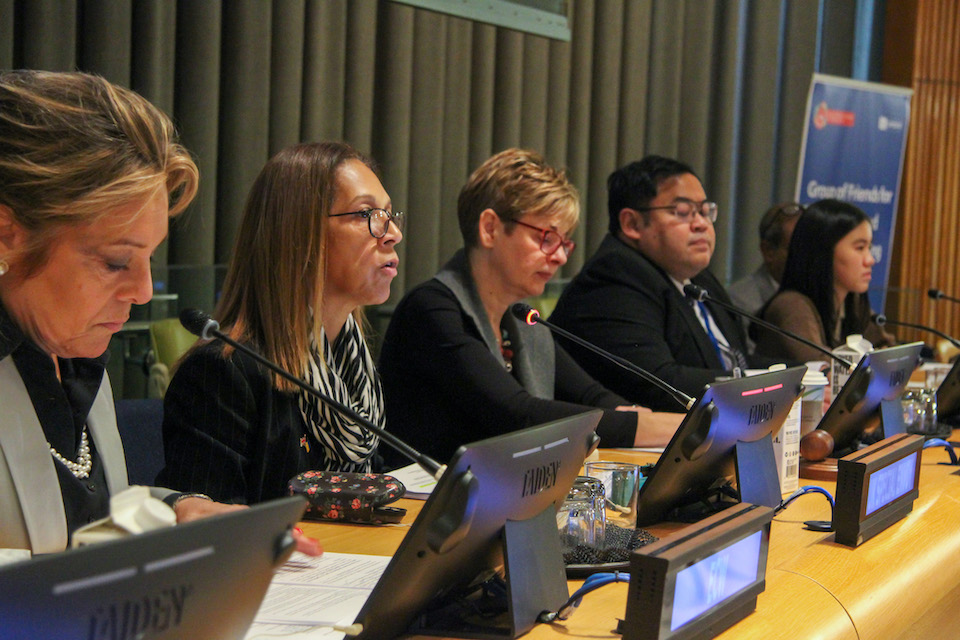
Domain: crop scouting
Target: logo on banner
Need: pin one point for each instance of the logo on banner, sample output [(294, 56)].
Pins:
[(886, 124), (836, 117)]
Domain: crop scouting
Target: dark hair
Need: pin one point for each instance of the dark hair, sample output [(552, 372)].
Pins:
[(809, 268), (771, 225), (635, 185)]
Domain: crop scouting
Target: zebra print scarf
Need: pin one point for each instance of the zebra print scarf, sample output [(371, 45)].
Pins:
[(346, 373)]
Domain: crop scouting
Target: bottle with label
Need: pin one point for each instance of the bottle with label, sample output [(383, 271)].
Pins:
[(814, 396), (786, 446), (855, 347)]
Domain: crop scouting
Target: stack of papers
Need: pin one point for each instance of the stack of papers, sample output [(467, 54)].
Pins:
[(308, 594)]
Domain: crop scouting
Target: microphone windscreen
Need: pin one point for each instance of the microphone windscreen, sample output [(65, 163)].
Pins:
[(197, 322), (525, 312), (879, 319), (935, 294), (695, 292)]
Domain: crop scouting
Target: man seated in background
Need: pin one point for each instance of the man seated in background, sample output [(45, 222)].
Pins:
[(628, 298), (751, 292)]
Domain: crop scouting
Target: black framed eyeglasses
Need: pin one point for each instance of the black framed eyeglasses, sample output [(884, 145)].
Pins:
[(550, 240), (378, 220), (684, 210)]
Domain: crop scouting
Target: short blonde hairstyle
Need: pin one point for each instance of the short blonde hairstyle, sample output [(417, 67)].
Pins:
[(74, 147), (279, 264), (513, 183)]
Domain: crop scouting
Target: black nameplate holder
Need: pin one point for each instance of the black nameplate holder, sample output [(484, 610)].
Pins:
[(876, 487), (700, 580)]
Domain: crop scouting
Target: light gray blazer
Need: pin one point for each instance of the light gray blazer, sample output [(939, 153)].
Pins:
[(31, 506)]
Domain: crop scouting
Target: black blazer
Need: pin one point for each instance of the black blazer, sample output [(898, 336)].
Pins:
[(229, 434), (443, 387), (624, 303)]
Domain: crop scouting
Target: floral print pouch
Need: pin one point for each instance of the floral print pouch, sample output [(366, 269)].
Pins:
[(349, 497)]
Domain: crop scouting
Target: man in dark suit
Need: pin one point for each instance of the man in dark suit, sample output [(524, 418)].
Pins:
[(628, 298)]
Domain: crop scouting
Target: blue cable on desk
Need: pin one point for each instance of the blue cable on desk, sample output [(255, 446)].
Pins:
[(816, 525), (939, 442), (592, 583), (803, 491)]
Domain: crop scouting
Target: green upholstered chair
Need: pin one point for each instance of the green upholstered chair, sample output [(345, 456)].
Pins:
[(169, 341)]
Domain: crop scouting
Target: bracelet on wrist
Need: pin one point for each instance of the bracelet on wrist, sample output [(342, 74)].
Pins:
[(184, 496)]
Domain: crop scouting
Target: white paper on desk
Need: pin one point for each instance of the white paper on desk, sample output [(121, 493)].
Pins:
[(418, 482), (342, 570), (309, 604), (259, 631), (330, 589)]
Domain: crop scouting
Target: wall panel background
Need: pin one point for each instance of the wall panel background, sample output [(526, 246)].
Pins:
[(719, 84)]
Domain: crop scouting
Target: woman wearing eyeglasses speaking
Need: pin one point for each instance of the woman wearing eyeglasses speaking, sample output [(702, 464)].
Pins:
[(317, 242), (456, 366)]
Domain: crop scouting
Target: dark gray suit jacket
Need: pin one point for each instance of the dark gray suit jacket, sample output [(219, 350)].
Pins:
[(624, 303)]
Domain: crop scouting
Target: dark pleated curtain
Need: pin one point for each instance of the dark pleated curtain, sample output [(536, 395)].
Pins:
[(719, 84)]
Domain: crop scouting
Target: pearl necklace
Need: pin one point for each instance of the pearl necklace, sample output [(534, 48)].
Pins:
[(80, 468)]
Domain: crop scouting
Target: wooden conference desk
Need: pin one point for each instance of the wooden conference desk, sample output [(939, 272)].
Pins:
[(903, 583)]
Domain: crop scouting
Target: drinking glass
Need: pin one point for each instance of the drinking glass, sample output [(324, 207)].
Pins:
[(621, 482)]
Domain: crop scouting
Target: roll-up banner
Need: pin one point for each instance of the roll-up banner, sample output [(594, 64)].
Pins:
[(854, 140)]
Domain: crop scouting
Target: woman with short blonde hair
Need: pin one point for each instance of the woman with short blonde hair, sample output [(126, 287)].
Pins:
[(457, 366)]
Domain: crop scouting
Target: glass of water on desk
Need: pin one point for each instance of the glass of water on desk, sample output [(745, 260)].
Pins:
[(621, 483), (920, 413), (582, 518)]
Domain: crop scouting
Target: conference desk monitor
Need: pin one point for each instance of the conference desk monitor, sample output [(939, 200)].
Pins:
[(196, 580), (701, 580), (726, 435), (876, 487), (491, 514), (867, 409)]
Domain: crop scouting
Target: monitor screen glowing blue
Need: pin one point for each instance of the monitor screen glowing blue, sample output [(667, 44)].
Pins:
[(710, 581), (887, 484)]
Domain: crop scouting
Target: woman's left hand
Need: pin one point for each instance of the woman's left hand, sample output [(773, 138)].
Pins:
[(189, 509), (194, 508), (654, 428)]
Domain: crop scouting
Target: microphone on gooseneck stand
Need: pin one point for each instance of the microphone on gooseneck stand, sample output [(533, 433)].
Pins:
[(937, 294), (695, 292), (201, 324), (881, 320), (528, 314)]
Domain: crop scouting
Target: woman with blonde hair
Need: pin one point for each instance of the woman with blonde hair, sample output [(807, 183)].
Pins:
[(317, 242), (90, 173), (457, 367)]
